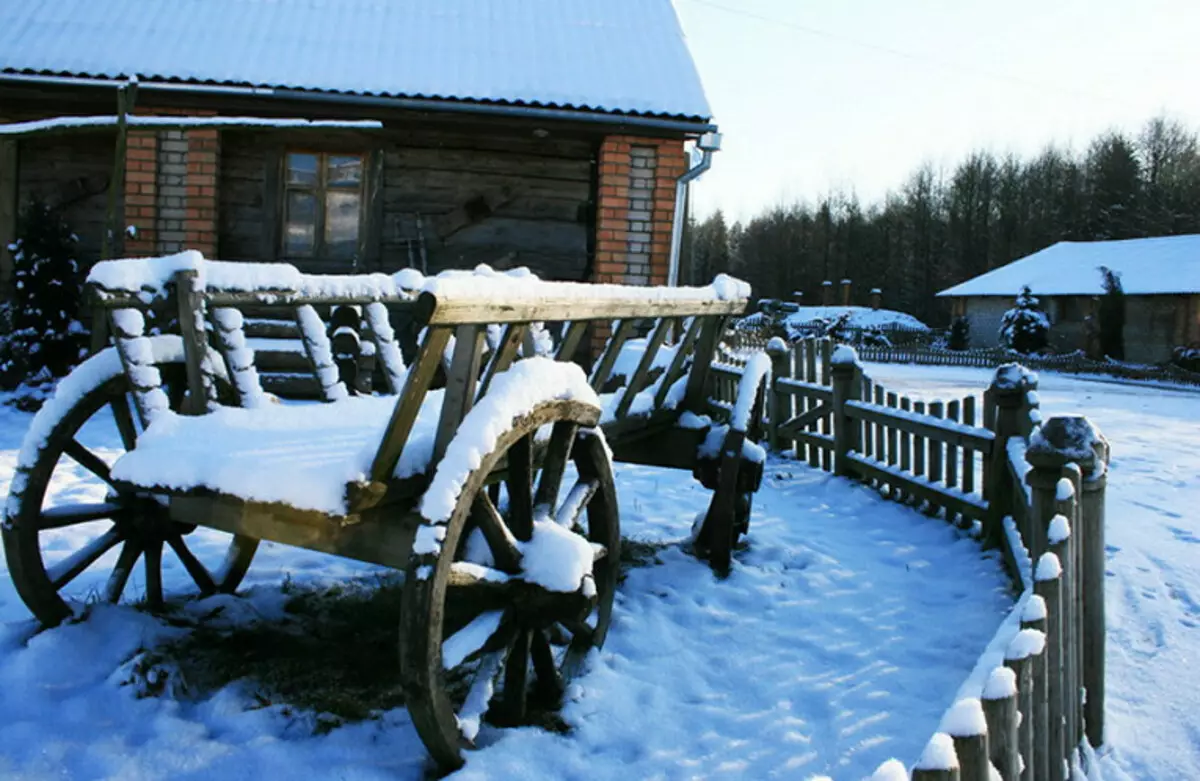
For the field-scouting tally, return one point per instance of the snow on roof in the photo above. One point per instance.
(608, 55)
(860, 317)
(1166, 265)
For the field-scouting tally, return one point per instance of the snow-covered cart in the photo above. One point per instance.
(494, 491)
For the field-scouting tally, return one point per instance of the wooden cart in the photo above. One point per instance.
(493, 492)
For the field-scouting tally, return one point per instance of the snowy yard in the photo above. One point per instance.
(1153, 537)
(839, 640)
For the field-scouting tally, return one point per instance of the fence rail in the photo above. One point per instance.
(987, 462)
(994, 357)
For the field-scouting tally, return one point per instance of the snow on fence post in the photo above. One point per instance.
(967, 727)
(1025, 656)
(777, 403)
(845, 375)
(938, 761)
(1000, 710)
(1047, 580)
(1003, 403)
(1092, 556)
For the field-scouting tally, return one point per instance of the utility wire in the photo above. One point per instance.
(920, 59)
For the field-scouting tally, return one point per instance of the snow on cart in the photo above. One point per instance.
(485, 473)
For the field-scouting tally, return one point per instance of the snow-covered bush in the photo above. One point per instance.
(46, 338)
(960, 334)
(1025, 328)
(1187, 357)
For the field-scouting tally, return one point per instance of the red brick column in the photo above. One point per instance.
(200, 223)
(141, 172)
(612, 222)
(672, 164)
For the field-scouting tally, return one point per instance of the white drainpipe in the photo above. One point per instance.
(707, 144)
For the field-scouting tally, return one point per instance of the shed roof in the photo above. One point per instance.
(626, 56)
(1167, 265)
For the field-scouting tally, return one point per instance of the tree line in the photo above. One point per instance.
(942, 227)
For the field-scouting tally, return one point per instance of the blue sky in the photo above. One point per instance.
(854, 94)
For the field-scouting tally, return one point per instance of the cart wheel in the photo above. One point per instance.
(728, 516)
(474, 624)
(70, 448)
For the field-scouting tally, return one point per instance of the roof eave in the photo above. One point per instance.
(674, 123)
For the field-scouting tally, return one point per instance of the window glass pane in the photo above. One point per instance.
(341, 223)
(302, 170)
(300, 228)
(344, 171)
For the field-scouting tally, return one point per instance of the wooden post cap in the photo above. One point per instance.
(1013, 379)
(1063, 440)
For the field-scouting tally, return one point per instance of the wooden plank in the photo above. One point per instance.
(880, 432)
(868, 449)
(905, 438)
(826, 424)
(918, 443)
(505, 354)
(969, 466)
(460, 385)
(408, 405)
(952, 454)
(818, 393)
(449, 311)
(893, 451)
(805, 420)
(612, 350)
(116, 181)
(970, 507)
(936, 454)
(571, 340)
(711, 330)
(195, 342)
(637, 382)
(930, 429)
(676, 368)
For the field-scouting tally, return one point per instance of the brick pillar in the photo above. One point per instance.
(141, 177)
(172, 190)
(200, 221)
(635, 213)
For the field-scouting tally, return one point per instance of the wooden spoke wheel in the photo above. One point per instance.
(728, 516)
(481, 639)
(54, 550)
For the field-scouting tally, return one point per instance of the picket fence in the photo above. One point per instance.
(1033, 489)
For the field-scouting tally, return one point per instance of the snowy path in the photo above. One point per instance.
(1153, 537)
(838, 642)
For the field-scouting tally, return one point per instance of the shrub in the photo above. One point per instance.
(1112, 316)
(960, 334)
(46, 338)
(1025, 328)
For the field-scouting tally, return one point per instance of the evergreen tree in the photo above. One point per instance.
(1025, 328)
(960, 334)
(47, 339)
(1112, 316)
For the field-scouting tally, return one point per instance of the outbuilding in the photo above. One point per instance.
(1160, 277)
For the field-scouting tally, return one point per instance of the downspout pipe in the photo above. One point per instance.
(707, 144)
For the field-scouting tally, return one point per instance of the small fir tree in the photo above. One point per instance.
(47, 339)
(960, 334)
(1025, 328)
(1112, 316)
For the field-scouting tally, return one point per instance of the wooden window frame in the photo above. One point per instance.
(320, 253)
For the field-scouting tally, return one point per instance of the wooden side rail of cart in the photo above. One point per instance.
(494, 493)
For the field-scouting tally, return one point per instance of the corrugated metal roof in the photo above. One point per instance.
(1168, 265)
(608, 55)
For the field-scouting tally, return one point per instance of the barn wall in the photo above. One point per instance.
(1152, 325)
(445, 200)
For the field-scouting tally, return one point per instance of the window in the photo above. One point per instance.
(322, 205)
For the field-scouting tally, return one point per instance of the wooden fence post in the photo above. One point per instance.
(938, 762)
(1075, 440)
(1023, 657)
(1006, 397)
(967, 727)
(1047, 581)
(845, 373)
(778, 351)
(1000, 710)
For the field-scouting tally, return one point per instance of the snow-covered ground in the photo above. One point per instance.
(838, 641)
(1153, 537)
